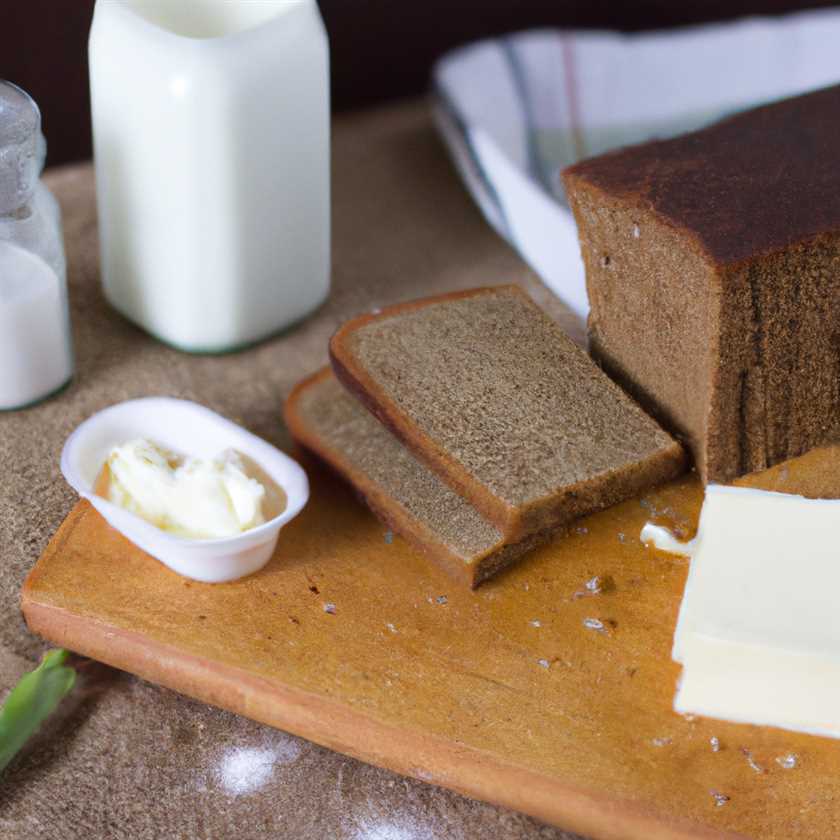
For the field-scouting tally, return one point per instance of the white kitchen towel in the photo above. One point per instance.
(515, 110)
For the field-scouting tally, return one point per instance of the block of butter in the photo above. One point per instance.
(758, 632)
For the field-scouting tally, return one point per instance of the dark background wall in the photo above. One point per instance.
(381, 49)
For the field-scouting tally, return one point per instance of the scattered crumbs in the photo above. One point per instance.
(594, 624)
(714, 743)
(783, 473)
(622, 537)
(754, 765)
(720, 798)
(535, 622)
(681, 530)
(543, 663)
(636, 232)
(581, 529)
(595, 586)
(441, 599)
(788, 761)
(314, 590)
(389, 537)
(661, 742)
(376, 310)
(329, 609)
(677, 523)
(605, 261)
(690, 718)
(391, 627)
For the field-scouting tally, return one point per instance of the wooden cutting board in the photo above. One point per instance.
(349, 639)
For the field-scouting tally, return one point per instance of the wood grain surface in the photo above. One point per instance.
(502, 693)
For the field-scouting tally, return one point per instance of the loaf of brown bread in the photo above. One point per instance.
(488, 391)
(713, 269)
(404, 493)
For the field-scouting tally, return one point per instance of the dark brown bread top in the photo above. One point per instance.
(487, 389)
(331, 424)
(752, 184)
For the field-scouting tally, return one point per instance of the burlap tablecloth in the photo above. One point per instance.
(125, 758)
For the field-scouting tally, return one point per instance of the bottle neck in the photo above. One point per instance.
(22, 150)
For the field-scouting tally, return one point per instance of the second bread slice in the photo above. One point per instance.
(488, 391)
(400, 490)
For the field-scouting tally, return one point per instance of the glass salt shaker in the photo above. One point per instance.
(36, 357)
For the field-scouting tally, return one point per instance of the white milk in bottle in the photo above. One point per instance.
(36, 357)
(211, 138)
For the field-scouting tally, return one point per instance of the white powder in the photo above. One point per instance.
(388, 831)
(244, 770)
(404, 826)
(383, 820)
(35, 354)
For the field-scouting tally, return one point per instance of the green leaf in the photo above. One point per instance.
(32, 701)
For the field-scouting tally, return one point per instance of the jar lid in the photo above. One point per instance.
(22, 147)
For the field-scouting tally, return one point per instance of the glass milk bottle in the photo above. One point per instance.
(211, 138)
(36, 359)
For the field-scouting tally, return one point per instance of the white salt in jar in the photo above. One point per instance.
(36, 357)
(211, 140)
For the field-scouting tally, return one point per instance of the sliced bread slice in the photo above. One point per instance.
(488, 391)
(401, 491)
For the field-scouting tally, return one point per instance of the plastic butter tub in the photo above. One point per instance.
(189, 428)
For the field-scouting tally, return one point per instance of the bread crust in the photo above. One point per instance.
(751, 184)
